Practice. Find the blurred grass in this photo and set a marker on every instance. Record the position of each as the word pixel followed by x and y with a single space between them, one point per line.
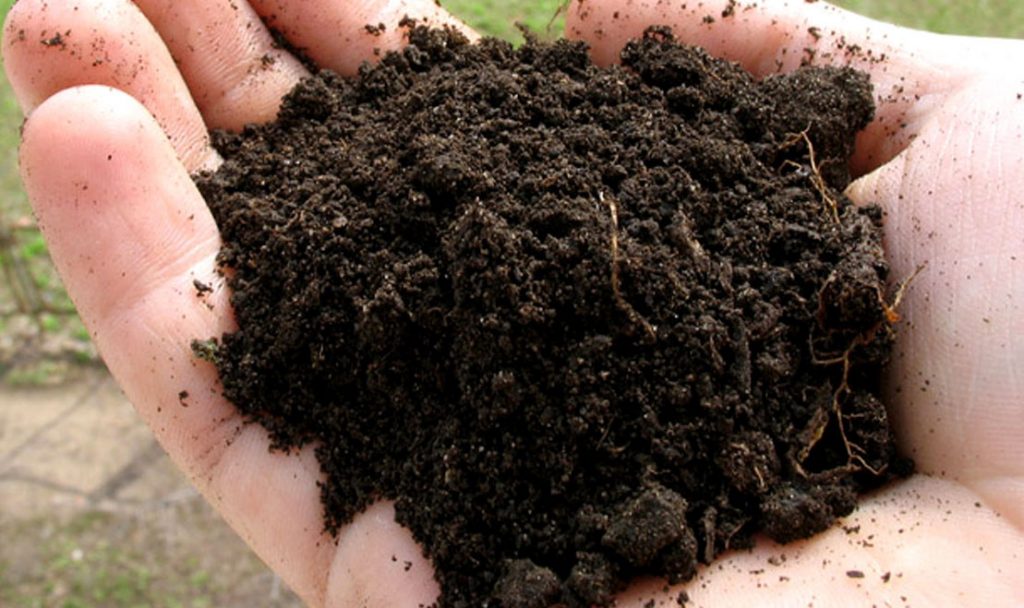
pixel 12 198
pixel 1000 18
pixel 498 17
pixel 1004 18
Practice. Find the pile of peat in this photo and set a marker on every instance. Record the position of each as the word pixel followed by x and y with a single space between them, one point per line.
pixel 579 324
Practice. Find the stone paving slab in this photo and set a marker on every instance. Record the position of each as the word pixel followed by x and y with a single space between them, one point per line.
pixel 67 446
pixel 74 451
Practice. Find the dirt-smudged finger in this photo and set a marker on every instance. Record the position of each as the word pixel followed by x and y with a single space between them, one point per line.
pixel 51 46
pixel 342 34
pixel 236 73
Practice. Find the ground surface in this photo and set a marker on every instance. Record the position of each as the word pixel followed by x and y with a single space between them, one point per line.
pixel 95 515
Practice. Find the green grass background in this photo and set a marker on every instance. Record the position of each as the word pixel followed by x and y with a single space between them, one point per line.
pixel 1004 18
pixel 11 196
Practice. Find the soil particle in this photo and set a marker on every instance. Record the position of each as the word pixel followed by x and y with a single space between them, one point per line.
pixel 527 585
pixel 647 524
pixel 202 288
pixel 580 324
pixel 58 40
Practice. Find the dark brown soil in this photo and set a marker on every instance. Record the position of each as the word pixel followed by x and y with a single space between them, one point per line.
pixel 579 324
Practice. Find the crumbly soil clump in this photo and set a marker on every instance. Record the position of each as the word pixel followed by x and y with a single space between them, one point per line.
pixel 580 324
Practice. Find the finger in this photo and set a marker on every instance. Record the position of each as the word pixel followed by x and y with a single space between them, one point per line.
pixel 912 71
pixel 952 204
pixel 236 74
pixel 334 32
pixel 51 46
pixel 130 235
pixel 379 564
pixel 925 543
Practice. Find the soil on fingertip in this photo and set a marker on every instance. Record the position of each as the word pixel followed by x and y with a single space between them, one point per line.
pixel 579 324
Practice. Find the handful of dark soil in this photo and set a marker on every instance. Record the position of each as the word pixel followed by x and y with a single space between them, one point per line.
pixel 580 324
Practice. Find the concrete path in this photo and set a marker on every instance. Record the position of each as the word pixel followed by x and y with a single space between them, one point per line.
pixel 79 451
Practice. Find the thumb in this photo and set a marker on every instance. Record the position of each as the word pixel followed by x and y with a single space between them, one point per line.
pixel 913 72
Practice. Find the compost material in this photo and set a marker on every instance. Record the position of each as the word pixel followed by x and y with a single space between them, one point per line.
pixel 579 324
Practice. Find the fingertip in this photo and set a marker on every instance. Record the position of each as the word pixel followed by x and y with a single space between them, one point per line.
pixel 116 204
pixel 51 46
pixel 341 36
pixel 764 37
pixel 235 71
pixel 880 186
pixel 77 125
pixel 60 139
pixel 598 25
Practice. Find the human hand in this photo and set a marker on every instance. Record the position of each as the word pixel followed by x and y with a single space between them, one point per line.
pixel 119 175
pixel 945 159
pixel 129 234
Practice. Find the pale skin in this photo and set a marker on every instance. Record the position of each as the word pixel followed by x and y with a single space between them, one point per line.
pixel 118 109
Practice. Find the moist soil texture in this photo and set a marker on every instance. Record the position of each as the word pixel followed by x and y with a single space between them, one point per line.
pixel 579 324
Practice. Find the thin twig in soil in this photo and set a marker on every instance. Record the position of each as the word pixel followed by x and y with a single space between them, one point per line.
pixel 851 448
pixel 891 310
pixel 816 179
pixel 562 9
pixel 616 279
pixel 863 339
pixel 837 408
pixel 614 244
pixel 607 429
